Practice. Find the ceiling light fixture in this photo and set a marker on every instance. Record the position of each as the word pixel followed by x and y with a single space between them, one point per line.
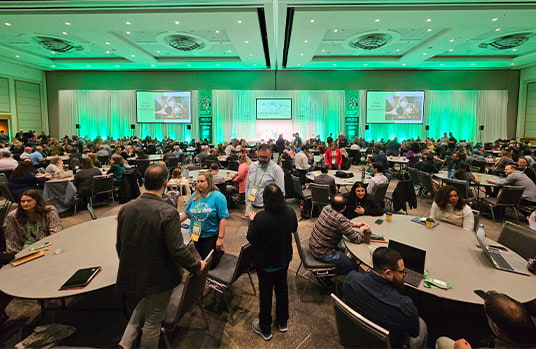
pixel 512 64
pixel 514 49
pixel 229 51
pixel 7 24
pixel 107 43
pixel 17 56
pixel 306 41
pixel 177 22
pixel 53 66
pixel 117 65
pixel 311 21
pixel 128 23
pixel 251 54
pixel 424 54
pixel 451 49
pixel 323 50
pixel 451 40
pixel 108 52
pixel 53 52
pixel 335 30
pixel 377 20
pixel 429 30
pixel 152 65
pixel 158 51
pixel 428 20
pixel 498 29
pixel 132 56
pixel 128 33
pixel 494 19
pixel 64 33
pixel 67 23
pixel 217 31
pixel 246 42
pixel 404 64
pixel 397 50
pixel 334 64
pixel 239 21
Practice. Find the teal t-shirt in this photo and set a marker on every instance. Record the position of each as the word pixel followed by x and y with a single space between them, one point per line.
pixel 209 210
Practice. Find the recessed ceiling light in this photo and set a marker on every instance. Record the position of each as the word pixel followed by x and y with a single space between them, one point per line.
pixel 117 65
pixel 299 65
pixel 17 56
pixel 132 55
pixel 217 31
pixel 53 66
pixel 306 41
pixel 239 21
pixel 188 65
pixel 108 52
pixel 365 64
pixel 404 64
pixel 498 29
pixel 512 64
pixel 311 21
pixel 334 64
pixel 424 53
pixel 7 24
pixel 429 30
pixel 514 49
pixel 128 33
pixel 451 49
pixel 53 52
pixel 152 65
pixel 494 19
pixel 128 23
pixel 64 33
pixel 472 63
pixel 323 50
pixel 451 40
pixel 89 65
pixel 428 20
pixel 177 22
pixel 107 43
pixel 254 65
pixel 229 51
pixel 441 64
pixel 246 42
pixel 335 30
pixel 251 54
pixel 397 50
pixel 158 51
pixel 67 23
pixel 301 54
pixel 377 20
pixel 218 65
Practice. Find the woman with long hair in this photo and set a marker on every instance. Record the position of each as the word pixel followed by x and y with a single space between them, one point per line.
pixel 450 207
pixel 207 210
pixel 270 234
pixel 30 222
pixel 360 203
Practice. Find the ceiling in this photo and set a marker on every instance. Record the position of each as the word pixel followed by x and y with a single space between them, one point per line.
pixel 276 34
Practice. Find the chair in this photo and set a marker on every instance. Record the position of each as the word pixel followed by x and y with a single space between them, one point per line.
pixel 317 268
pixel 379 193
pixel 172 162
pixel 302 194
pixel 103 159
pixel 183 298
pixel 232 165
pixel 463 188
pixel 480 164
pixel 228 270
pixel 102 185
pixel 7 173
pixel 401 196
pixel 355 330
pixel 476 215
pixel 415 178
pixel 6 193
pixel 4 210
pixel 427 184
pixel 519 239
pixel 508 197
pixel 141 166
pixel 320 195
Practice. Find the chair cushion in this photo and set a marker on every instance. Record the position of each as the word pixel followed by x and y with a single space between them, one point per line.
pixel 173 306
pixel 225 270
pixel 311 262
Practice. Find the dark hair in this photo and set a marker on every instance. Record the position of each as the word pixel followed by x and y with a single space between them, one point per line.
pixel 273 198
pixel 512 318
pixel 214 166
pixel 338 202
pixel 461 173
pixel 86 163
pixel 265 146
pixel 323 168
pixel 385 258
pixel 23 168
pixel 442 197
pixel 40 207
pixel 378 166
pixel 514 166
pixel 155 176
pixel 355 186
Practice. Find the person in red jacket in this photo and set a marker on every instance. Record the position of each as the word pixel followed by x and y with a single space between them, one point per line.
pixel 333 157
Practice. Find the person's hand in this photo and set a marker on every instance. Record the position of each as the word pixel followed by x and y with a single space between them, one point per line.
pixel 489 180
pixel 359 210
pixel 202 265
pixel 252 215
pixel 462 344
pixel 364 227
pixel 219 244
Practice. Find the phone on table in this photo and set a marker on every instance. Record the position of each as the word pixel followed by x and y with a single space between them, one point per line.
pixel 481 293
pixel 378 221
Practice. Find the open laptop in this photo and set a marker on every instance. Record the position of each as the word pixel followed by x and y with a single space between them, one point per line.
pixel 413 260
pixel 502 261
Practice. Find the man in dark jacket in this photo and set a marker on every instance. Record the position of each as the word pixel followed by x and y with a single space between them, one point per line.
pixel 151 256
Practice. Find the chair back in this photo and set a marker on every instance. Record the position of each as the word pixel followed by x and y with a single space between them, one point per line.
pixel 102 184
pixel 185 296
pixel 357 331
pixel 104 159
pixel 461 185
pixel 6 174
pixel 297 187
pixel 173 162
pixel 476 216
pixel 244 263
pixel 4 210
pixel 426 181
pixel 381 190
pixel 480 164
pixel 320 194
pixel 510 196
pixel 519 239
pixel 6 193
pixel 232 165
pixel 141 165
pixel 299 245
pixel 414 176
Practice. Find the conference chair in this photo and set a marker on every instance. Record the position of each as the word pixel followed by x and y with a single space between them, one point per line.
pixel 228 270
pixel 480 164
pixel 172 163
pixel 183 298
pixel 232 165
pixel 355 330
pixel 521 240
pixel 4 210
pixel 103 159
pixel 102 185
pixel 463 188
pixel 319 269
pixel 415 178
pixel 427 184
pixel 320 196
pixel 302 194
pixel 6 193
pixel 508 197
pixel 403 195
pixel 379 193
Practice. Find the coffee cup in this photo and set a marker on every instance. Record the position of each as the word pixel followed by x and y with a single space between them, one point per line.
pixel 367 235
pixel 430 223
pixel 388 216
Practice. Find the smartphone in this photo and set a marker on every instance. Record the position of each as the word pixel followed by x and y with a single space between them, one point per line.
pixel 482 294
pixel 379 221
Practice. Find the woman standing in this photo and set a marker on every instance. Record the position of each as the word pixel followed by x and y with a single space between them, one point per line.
pixel 30 222
pixel 448 206
pixel 270 234
pixel 207 210
pixel 360 203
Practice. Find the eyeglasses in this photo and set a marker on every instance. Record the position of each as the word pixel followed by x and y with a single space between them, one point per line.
pixel 403 271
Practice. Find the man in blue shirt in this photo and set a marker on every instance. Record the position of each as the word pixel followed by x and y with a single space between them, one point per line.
pixel 37 158
pixel 377 296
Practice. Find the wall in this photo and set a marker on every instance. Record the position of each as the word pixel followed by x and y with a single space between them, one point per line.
pixel 287 80
pixel 527 76
pixel 13 72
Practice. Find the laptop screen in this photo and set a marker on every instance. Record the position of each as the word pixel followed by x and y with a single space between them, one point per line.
pixel 413 257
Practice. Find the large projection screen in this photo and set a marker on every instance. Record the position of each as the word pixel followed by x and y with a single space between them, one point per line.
pixel 163 107
pixel 396 107
pixel 274 108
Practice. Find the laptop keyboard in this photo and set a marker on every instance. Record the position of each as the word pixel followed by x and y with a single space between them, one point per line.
pixel 501 262
pixel 413 278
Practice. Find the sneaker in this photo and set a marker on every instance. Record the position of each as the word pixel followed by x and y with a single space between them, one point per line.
pixel 282 325
pixel 255 326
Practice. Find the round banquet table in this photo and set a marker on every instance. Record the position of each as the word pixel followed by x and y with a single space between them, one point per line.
pixel 452 255
pixel 483 176
pixel 339 181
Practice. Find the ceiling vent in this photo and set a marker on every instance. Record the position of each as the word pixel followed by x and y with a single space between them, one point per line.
pixel 185 43
pixel 370 41
pixel 506 42
pixel 57 45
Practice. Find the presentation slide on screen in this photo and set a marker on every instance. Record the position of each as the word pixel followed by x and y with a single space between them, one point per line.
pixel 274 108
pixel 163 106
pixel 398 107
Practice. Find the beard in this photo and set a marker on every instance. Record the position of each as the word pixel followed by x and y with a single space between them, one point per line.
pixel 398 284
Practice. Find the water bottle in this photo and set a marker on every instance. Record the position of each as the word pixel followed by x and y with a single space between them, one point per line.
pixel 448 173
pixel 481 234
pixel 363 174
pixel 187 172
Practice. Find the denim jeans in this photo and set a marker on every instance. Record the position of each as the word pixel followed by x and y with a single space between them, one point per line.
pixel 343 262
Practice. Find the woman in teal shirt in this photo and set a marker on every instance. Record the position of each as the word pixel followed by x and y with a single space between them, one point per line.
pixel 117 169
pixel 207 210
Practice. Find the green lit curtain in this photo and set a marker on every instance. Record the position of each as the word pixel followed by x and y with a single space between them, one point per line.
pixel 313 113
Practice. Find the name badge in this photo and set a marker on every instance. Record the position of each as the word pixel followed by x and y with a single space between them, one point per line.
pixel 253 193
pixel 196 231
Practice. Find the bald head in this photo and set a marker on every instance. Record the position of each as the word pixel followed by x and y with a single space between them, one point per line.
pixel 338 203
pixel 156 177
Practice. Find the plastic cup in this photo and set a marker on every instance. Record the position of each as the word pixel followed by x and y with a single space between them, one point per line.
pixel 367 234
pixel 388 216
pixel 430 223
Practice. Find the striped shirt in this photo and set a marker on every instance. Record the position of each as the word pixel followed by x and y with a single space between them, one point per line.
pixel 328 231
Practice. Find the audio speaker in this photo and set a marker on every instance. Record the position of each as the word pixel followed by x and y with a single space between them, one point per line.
pixel 189 127
pixel 366 127
pixel 481 128
pixel 77 126
pixel 427 127
pixel 133 126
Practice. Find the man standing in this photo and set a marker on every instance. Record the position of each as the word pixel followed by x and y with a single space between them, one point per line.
pixel 327 233
pixel 329 139
pixel 262 172
pixel 297 142
pixel 518 178
pixel 377 296
pixel 151 257
pixel 343 141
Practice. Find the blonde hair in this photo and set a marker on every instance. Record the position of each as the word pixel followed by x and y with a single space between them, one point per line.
pixel 211 185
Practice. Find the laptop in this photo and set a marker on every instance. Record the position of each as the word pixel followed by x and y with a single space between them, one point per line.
pixel 502 261
pixel 413 260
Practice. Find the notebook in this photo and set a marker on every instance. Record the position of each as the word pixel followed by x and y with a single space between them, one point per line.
pixel 26 258
pixel 502 261
pixel 413 260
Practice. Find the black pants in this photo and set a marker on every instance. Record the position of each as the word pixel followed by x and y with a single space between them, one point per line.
pixel 301 175
pixel 276 281
pixel 204 245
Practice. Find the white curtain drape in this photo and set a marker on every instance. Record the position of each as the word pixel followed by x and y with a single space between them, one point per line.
pixel 492 108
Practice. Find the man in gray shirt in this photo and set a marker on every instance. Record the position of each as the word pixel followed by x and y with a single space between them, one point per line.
pixel 324 178
pixel 517 178
pixel 261 173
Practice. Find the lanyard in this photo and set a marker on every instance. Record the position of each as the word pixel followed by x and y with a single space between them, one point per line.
pixel 257 171
pixel 30 236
